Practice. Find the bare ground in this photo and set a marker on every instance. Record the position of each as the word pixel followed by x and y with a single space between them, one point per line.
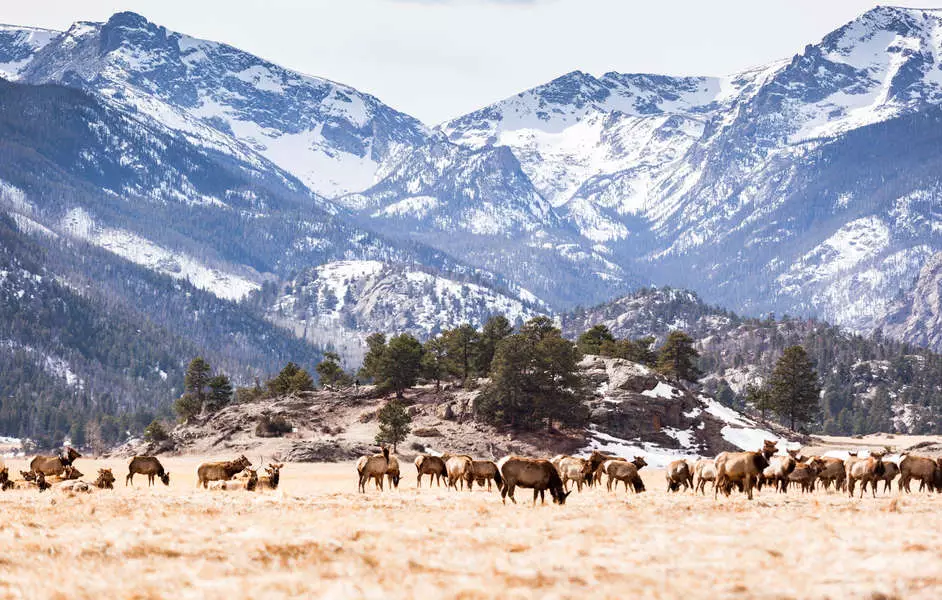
pixel 317 537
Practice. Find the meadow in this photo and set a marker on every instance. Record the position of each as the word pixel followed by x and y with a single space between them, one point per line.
pixel 317 537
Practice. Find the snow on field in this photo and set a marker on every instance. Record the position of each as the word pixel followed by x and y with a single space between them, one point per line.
pixel 146 253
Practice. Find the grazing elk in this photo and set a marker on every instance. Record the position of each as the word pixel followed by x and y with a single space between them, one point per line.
pixel 926 470
pixel 271 478
pixel 677 474
pixel 392 471
pixel 486 471
pixel 146 465
pixel 626 472
pixel 458 469
pixel 704 470
pixel 832 470
pixel 741 468
pixel 105 479
pixel 432 466
pixel 535 473
pixel 373 467
pixel 221 471
pixel 54 465
pixel 864 470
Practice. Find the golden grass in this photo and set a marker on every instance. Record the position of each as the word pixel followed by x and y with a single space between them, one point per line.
pixel 317 537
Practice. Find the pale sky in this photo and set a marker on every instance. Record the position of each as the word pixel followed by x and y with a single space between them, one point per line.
pixel 437 59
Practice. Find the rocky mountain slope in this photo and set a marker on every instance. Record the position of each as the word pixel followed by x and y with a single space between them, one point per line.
pixel 635 412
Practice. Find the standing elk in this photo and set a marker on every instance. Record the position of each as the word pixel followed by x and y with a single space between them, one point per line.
pixel 677 474
pixel 832 470
pixel 535 473
pixel 926 470
pixel 741 468
pixel 392 471
pixel 486 471
pixel 704 470
pixel 458 468
pixel 620 469
pixel 146 465
pixel 271 478
pixel 54 465
pixel 864 470
pixel 432 466
pixel 221 471
pixel 372 467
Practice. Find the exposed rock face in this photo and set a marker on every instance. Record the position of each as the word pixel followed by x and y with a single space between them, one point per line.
pixel 918 317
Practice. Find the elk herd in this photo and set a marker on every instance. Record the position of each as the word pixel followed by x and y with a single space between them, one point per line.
pixel 746 472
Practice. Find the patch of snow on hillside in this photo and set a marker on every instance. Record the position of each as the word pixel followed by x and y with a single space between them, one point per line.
pixel 661 390
pixel 656 456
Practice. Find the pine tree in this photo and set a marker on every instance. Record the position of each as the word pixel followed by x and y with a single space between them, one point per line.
pixel 794 387
pixel 676 357
pixel 495 329
pixel 186 406
pixel 220 392
pixel 155 432
pixel 435 361
pixel 462 343
pixel 591 341
pixel 760 398
pixel 401 363
pixel 372 361
pixel 394 424
pixel 197 378
pixel 291 380
pixel 330 372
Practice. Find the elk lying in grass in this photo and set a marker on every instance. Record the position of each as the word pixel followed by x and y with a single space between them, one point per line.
pixel 146 465
pixel 485 471
pixel 105 479
pixel 865 470
pixel 392 471
pixel 54 465
pixel 248 484
pixel 537 474
pixel 704 470
pixel 372 467
pixel 459 469
pixel 677 474
pixel 432 466
pixel 271 478
pixel 221 471
pixel 926 470
pixel 619 469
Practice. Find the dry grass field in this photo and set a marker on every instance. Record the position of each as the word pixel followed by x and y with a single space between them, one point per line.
pixel 317 537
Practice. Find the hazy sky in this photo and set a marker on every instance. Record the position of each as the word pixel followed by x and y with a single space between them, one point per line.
pixel 441 58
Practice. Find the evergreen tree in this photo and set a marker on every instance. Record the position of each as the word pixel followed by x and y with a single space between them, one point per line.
pixel 592 341
pixel 794 387
pixel 462 344
pixel 435 361
pixel 197 378
pixel 495 329
pixel 394 424
pixel 760 398
pixel 291 380
pixel 220 392
pixel 186 406
pixel 155 432
pixel 330 372
pixel 676 357
pixel 77 433
pixel 881 411
pixel 373 360
pixel 401 363
pixel 534 381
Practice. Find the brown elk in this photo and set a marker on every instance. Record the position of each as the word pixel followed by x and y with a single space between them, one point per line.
pixel 221 471
pixel 864 470
pixel 626 472
pixel 146 465
pixel 432 466
pixel 373 467
pixel 5 482
pixel 535 473
pixel 890 471
pixel 271 478
pixel 54 465
pixel 780 467
pixel 677 474
pixel 105 479
pixel 805 474
pixel 392 471
pixel 926 470
pixel 704 470
pixel 741 468
pixel 486 471
pixel 832 470
pixel 573 469
pixel 458 469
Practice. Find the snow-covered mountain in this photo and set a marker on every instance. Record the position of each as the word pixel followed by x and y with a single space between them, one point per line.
pixel 330 136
